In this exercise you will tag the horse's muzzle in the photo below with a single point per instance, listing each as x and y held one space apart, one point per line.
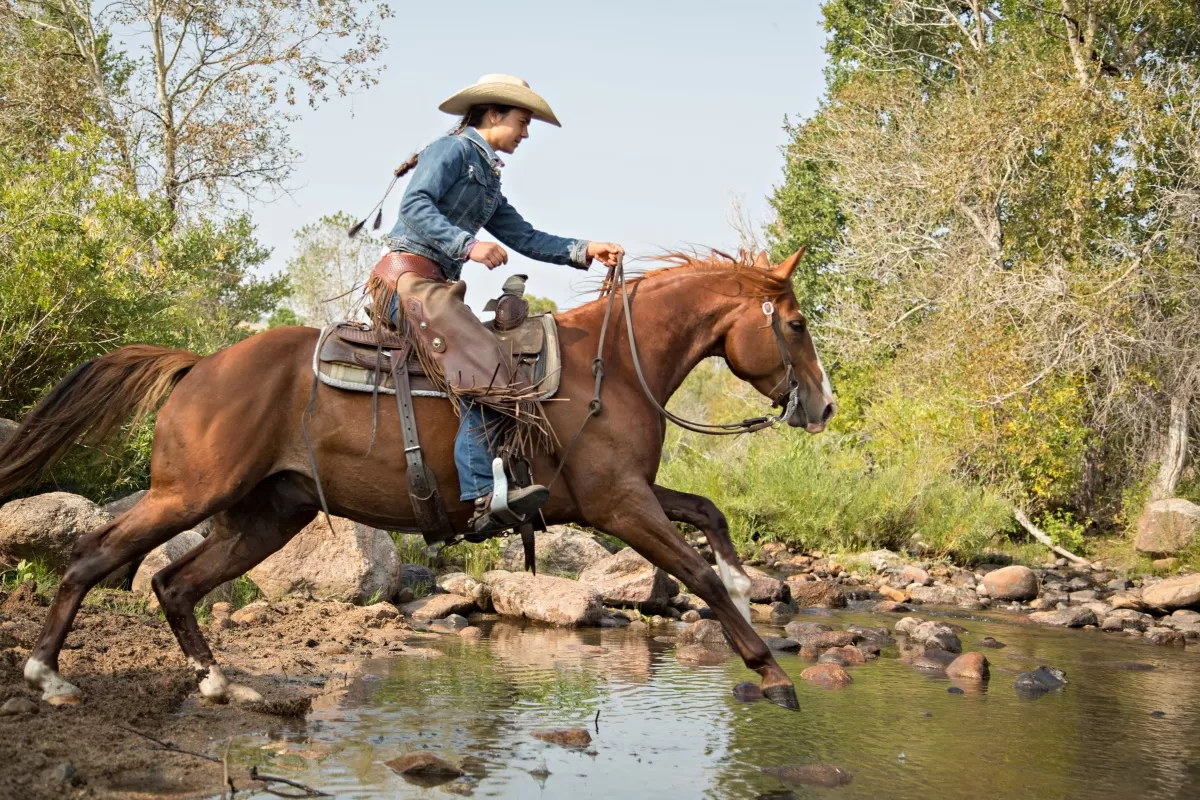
801 419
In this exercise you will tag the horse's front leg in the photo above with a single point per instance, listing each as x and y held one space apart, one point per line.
639 520
703 514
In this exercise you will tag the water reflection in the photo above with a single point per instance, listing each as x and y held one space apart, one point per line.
669 730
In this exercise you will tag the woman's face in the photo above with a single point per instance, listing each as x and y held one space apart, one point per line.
505 131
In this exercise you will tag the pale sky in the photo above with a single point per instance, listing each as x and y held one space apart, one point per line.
671 111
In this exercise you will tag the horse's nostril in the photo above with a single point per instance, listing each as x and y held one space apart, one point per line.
827 413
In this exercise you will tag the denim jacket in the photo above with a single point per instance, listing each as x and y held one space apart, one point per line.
453 192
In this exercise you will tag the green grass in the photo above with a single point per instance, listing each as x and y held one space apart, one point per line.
47 580
411 549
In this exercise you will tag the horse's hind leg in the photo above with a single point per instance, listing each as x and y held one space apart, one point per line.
157 517
702 513
639 520
242 536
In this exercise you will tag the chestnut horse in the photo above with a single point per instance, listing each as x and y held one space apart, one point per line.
229 444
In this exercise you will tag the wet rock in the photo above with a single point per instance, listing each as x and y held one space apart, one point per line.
700 655
1065 617
868 633
824 775
564 737
690 616
766 589
827 676
1167 526
1124 619
543 598
559 550
800 628
747 692
1165 636
937 635
932 659
1173 593
895 595
705 633
1119 585
827 639
816 594
908 624
166 553
1041 680
438 606
425 769
988 641
781 645
850 653
1011 583
891 607
18 706
628 579
471 632
45 527
969 667
348 562
833 657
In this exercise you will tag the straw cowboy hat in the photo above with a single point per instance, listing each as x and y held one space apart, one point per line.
507 90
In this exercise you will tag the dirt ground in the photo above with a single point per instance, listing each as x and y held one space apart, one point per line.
134 678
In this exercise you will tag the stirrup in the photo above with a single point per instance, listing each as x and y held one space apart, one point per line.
497 515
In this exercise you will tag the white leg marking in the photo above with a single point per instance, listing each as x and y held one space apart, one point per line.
218 689
55 690
737 584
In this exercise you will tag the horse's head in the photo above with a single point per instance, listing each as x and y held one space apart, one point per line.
769 346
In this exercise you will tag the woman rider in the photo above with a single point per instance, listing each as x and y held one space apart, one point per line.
455 191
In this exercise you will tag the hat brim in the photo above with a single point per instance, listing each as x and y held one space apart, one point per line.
506 94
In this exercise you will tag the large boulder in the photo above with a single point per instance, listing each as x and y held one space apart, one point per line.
766 589
7 429
936 635
1167 526
543 598
1075 617
350 563
169 552
1173 593
45 527
816 594
1011 583
627 579
122 504
559 550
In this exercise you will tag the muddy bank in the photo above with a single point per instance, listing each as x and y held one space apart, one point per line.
133 676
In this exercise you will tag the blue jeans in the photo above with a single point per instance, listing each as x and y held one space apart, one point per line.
474 448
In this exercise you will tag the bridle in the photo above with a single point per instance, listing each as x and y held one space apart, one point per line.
789 399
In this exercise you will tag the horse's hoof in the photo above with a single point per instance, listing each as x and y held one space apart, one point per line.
63 699
55 690
783 695
243 694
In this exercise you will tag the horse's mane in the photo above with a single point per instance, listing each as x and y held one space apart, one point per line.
752 278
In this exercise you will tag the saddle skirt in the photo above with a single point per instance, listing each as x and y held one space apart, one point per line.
356 357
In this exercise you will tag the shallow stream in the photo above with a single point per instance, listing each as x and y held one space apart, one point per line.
664 730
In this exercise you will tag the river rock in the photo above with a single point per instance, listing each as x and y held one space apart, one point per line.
438 606
1065 617
1173 593
932 659
425 769
1125 619
969 667
627 579
799 628
1128 599
942 595
850 654
782 645
564 737
418 577
122 504
459 583
706 633
816 594
544 598
896 595
1041 680
697 655
169 552
908 624
891 607
826 776
348 562
1165 636
881 559
1167 526
827 639
868 633
1011 583
938 635
827 676
912 574
559 550
45 527
766 589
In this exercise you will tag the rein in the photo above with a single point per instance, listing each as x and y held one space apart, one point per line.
615 277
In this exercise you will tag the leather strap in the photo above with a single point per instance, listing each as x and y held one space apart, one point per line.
394 264
428 507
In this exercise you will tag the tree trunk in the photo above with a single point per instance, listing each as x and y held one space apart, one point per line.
1175 447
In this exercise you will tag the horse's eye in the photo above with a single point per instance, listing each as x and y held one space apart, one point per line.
797 325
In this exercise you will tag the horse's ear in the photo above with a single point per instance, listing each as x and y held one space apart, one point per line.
761 261
784 271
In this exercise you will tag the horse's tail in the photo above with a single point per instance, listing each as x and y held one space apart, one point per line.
90 405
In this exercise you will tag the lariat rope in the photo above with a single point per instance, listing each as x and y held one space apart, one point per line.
615 277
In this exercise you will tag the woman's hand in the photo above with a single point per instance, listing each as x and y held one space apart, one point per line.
490 254
607 253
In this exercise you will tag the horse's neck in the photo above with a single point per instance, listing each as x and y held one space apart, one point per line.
678 321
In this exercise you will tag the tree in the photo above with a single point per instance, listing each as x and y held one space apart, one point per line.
328 270
194 109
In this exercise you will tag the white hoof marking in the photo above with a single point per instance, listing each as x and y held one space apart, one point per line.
216 688
737 583
55 690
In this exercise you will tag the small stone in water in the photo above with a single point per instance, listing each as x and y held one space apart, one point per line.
955 690
566 737
1158 714
926 714
747 692
988 641
825 775
1041 680
901 757
424 769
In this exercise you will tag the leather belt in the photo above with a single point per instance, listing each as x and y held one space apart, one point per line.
394 264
